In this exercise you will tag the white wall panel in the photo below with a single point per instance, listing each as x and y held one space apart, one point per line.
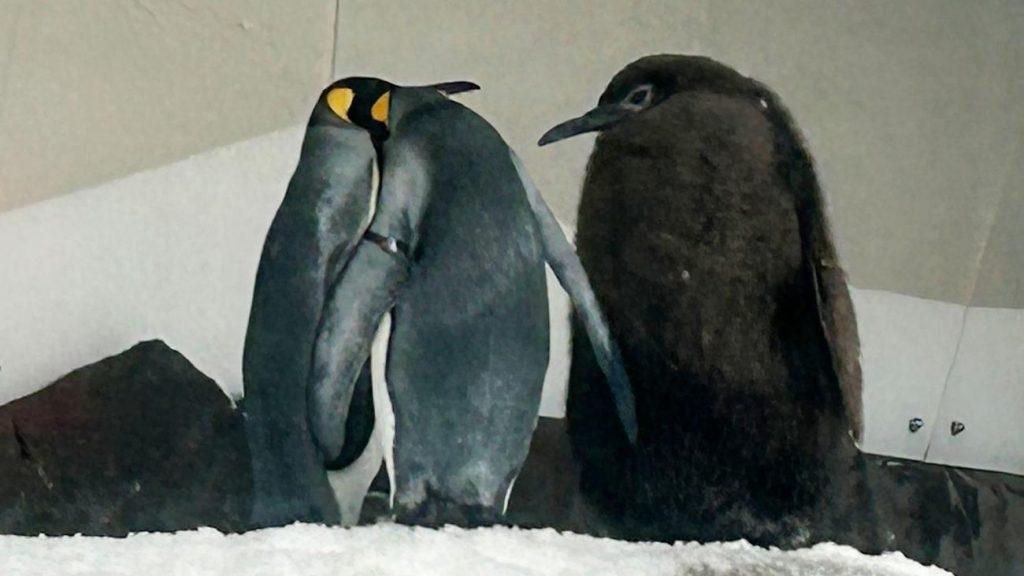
171 254
986 395
907 347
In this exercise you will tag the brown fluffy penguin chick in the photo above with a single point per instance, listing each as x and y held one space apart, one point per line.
704 233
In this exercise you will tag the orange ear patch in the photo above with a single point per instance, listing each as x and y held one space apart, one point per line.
379 112
340 100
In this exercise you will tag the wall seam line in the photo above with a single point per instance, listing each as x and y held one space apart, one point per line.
334 42
979 260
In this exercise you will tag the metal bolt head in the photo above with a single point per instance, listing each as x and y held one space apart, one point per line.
915 424
956 428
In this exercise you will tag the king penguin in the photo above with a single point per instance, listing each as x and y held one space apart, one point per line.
330 200
409 251
704 232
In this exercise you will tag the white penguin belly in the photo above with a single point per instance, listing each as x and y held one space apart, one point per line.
384 416
351 484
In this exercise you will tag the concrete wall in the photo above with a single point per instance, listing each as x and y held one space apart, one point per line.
913 109
94 90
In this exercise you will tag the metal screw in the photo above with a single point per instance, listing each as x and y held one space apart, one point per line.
956 428
915 425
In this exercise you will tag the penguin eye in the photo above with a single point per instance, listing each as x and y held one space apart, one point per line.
640 97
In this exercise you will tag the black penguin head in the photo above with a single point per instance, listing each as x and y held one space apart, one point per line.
366 103
647 83
361 102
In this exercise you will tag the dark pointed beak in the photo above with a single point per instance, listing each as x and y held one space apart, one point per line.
598 119
456 87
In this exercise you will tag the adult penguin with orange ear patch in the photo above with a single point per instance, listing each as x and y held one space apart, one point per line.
704 232
328 206
438 280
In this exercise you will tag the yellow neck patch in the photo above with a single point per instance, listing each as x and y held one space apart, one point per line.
379 112
339 100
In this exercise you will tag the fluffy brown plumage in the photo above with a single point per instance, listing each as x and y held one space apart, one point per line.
704 232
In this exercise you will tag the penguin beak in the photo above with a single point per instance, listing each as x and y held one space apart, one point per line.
600 118
457 87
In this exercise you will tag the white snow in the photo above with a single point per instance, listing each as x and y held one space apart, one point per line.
386 549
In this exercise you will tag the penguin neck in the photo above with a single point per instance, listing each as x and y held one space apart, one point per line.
378 148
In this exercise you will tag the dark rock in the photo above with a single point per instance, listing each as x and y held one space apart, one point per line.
141 441
970 522
546 493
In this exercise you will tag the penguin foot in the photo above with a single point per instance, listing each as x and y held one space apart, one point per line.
436 511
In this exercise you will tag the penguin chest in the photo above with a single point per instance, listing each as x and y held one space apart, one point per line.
700 280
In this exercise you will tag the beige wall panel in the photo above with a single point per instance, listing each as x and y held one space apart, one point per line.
912 111
1000 282
538 62
92 90
909 107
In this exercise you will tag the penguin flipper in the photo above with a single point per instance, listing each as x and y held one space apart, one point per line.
839 324
566 265
832 295
356 303
359 422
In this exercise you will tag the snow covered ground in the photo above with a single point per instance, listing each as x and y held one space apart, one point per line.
386 549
